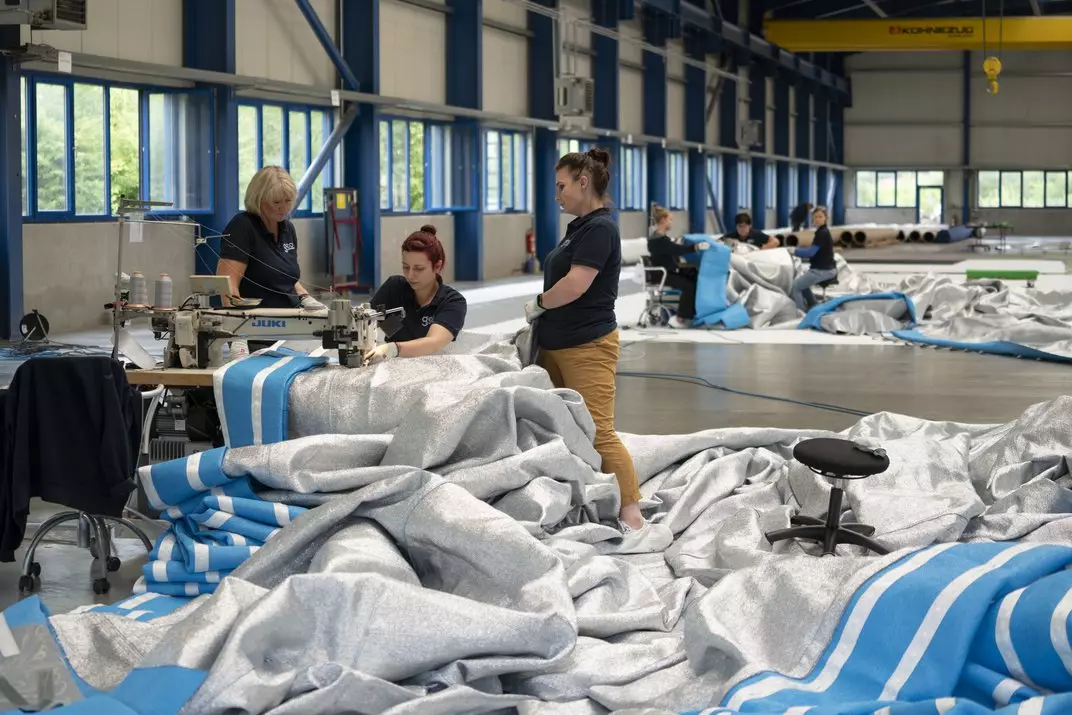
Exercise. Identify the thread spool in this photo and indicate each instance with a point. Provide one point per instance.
(139, 291)
(162, 292)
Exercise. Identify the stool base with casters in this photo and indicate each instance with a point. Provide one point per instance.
(827, 284)
(93, 535)
(837, 460)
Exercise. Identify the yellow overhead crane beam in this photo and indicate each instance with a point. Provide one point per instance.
(890, 35)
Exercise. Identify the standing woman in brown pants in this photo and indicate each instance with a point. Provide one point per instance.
(577, 332)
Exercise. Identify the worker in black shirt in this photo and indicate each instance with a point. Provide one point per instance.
(822, 268)
(435, 312)
(259, 250)
(577, 329)
(667, 253)
(746, 233)
(799, 216)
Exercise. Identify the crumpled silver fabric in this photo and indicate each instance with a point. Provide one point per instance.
(866, 317)
(461, 560)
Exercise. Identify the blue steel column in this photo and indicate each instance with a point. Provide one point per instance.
(655, 82)
(836, 152)
(208, 43)
(784, 193)
(727, 137)
(696, 131)
(803, 148)
(606, 77)
(757, 111)
(464, 89)
(360, 31)
(965, 211)
(819, 148)
(545, 149)
(10, 187)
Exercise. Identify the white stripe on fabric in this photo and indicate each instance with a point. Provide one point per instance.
(167, 546)
(216, 520)
(135, 615)
(944, 705)
(174, 513)
(226, 503)
(1031, 707)
(272, 533)
(1059, 631)
(854, 625)
(190, 588)
(201, 557)
(8, 647)
(937, 612)
(238, 540)
(137, 600)
(193, 472)
(160, 571)
(221, 406)
(1005, 690)
(145, 476)
(139, 585)
(257, 401)
(799, 710)
(282, 514)
(83, 609)
(1003, 636)
(884, 711)
(212, 577)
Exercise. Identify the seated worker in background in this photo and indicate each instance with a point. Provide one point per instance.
(435, 312)
(666, 253)
(821, 255)
(259, 250)
(799, 216)
(747, 234)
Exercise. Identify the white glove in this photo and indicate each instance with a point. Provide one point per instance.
(239, 349)
(702, 246)
(533, 309)
(311, 304)
(386, 351)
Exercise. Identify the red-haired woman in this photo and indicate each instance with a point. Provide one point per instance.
(435, 312)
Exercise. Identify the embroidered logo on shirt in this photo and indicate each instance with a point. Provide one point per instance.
(288, 247)
(426, 320)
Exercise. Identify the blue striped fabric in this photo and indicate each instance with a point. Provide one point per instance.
(251, 395)
(218, 521)
(139, 607)
(953, 628)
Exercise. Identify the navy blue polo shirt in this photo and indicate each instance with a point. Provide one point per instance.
(447, 308)
(592, 241)
(271, 264)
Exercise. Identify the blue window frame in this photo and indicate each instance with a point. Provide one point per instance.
(567, 145)
(1024, 189)
(427, 167)
(634, 179)
(677, 184)
(772, 185)
(86, 143)
(744, 184)
(506, 171)
(286, 135)
(713, 191)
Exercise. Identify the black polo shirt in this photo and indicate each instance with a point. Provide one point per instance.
(755, 237)
(823, 260)
(592, 241)
(271, 265)
(447, 308)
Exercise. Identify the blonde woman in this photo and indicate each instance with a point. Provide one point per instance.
(822, 265)
(666, 253)
(259, 249)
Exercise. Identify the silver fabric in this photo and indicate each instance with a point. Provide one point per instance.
(465, 559)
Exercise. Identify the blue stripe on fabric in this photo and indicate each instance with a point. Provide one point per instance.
(992, 347)
(712, 304)
(812, 319)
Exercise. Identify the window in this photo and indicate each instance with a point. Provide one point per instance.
(427, 167)
(813, 186)
(506, 159)
(744, 183)
(890, 189)
(677, 180)
(772, 185)
(287, 136)
(86, 144)
(713, 190)
(634, 179)
(568, 146)
(794, 188)
(1024, 189)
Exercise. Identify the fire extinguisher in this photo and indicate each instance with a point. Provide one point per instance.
(530, 252)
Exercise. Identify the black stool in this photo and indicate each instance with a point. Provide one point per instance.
(837, 460)
(826, 284)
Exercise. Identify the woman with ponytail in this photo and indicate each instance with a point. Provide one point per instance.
(577, 332)
(435, 312)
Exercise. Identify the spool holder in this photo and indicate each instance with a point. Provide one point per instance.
(127, 211)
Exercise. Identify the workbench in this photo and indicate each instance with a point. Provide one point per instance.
(172, 377)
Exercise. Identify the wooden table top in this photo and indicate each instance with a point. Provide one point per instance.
(172, 377)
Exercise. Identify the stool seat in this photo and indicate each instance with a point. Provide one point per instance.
(671, 291)
(828, 282)
(841, 458)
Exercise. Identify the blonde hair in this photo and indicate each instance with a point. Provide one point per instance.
(271, 183)
(658, 213)
(820, 209)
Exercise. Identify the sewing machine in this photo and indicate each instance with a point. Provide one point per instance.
(197, 332)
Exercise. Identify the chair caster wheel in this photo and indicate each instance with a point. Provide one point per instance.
(114, 563)
(101, 586)
(26, 584)
(35, 569)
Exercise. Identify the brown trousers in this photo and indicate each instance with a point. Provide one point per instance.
(589, 369)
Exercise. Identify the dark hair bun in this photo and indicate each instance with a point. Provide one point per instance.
(428, 228)
(599, 155)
